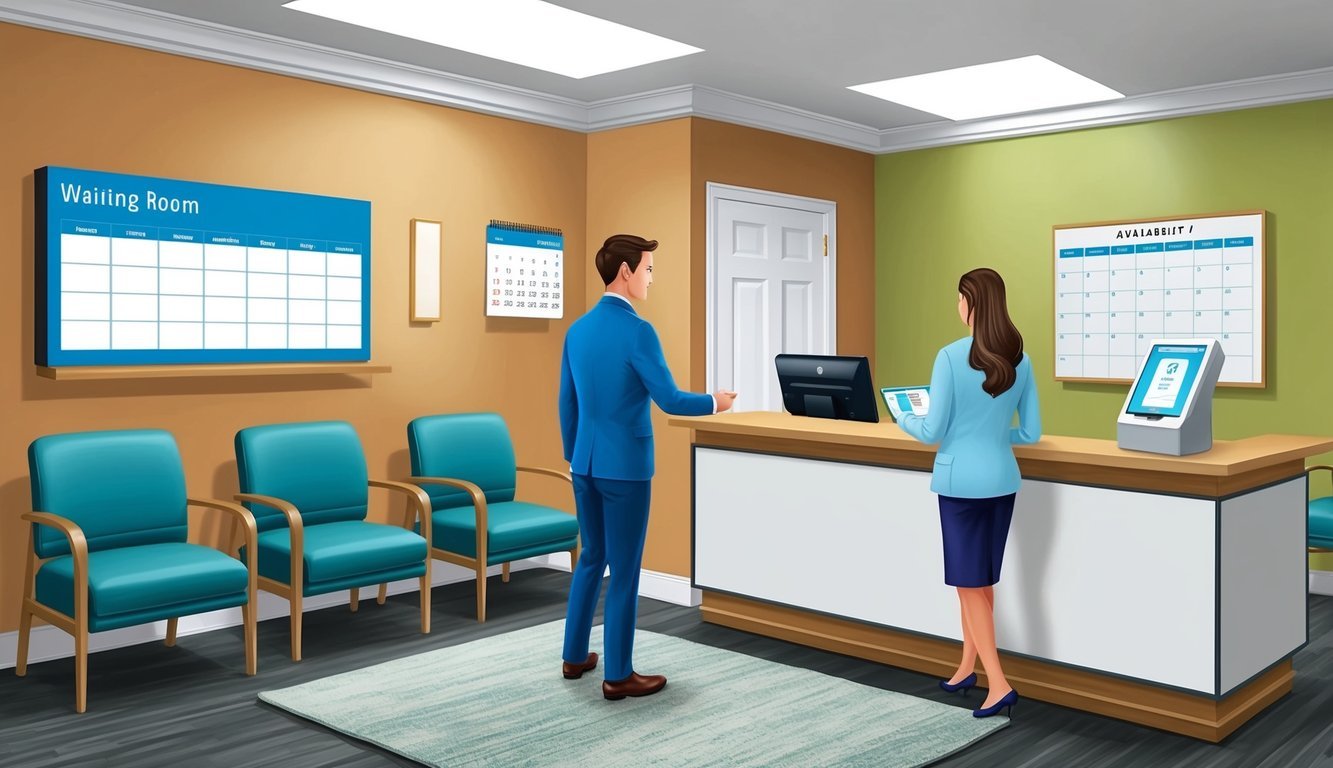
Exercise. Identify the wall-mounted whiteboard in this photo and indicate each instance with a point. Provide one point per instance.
(1119, 285)
(137, 270)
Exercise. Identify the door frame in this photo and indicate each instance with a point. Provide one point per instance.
(827, 208)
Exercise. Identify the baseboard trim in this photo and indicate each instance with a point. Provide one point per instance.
(48, 642)
(1321, 583)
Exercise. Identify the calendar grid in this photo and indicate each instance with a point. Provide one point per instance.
(1119, 286)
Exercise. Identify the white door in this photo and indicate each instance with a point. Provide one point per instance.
(771, 288)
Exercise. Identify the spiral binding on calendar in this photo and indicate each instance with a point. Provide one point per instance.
(514, 226)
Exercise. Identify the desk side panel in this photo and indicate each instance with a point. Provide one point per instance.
(1264, 579)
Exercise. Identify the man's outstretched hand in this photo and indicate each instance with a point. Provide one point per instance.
(724, 399)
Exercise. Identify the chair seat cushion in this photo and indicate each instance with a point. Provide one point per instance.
(1321, 522)
(141, 578)
(340, 550)
(510, 525)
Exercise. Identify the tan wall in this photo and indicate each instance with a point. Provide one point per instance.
(747, 157)
(233, 126)
(639, 183)
(75, 102)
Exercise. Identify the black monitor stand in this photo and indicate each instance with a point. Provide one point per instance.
(820, 406)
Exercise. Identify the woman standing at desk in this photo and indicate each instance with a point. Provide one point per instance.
(977, 384)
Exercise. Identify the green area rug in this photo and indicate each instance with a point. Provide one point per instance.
(501, 701)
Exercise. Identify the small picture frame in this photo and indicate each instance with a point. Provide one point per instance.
(424, 291)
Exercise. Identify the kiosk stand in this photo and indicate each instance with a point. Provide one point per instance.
(1170, 404)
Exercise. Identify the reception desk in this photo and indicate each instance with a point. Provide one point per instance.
(1167, 591)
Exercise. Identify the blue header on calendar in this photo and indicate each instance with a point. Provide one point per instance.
(1101, 251)
(1180, 245)
(525, 239)
(1148, 248)
(1207, 245)
(98, 204)
(1071, 253)
(1239, 242)
(1121, 250)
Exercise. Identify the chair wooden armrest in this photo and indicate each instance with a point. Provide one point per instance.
(551, 472)
(478, 503)
(78, 549)
(295, 528)
(418, 498)
(239, 515)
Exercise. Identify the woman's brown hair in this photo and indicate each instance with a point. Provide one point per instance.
(997, 346)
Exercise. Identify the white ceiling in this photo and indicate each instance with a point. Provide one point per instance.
(788, 63)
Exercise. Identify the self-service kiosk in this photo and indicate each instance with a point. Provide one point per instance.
(1170, 404)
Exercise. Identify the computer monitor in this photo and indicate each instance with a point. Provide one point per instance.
(827, 386)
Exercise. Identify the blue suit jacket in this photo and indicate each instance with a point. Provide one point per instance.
(975, 431)
(612, 363)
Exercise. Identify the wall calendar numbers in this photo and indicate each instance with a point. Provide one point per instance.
(524, 271)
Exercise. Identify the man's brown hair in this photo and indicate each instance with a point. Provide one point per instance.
(621, 249)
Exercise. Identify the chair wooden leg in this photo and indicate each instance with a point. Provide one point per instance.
(425, 602)
(384, 593)
(504, 573)
(356, 599)
(481, 592)
(25, 629)
(573, 558)
(80, 669)
(251, 638)
(296, 625)
(171, 632)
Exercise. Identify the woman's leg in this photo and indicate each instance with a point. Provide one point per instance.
(981, 622)
(969, 662)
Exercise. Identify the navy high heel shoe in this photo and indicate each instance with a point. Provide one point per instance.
(1007, 703)
(962, 685)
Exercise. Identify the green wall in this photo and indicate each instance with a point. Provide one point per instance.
(940, 212)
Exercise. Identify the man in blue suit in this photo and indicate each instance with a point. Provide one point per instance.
(612, 364)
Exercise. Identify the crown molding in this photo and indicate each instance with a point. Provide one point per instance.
(156, 30)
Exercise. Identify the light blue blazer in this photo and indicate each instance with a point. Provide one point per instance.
(611, 365)
(975, 431)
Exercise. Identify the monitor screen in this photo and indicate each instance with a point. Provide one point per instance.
(1166, 380)
(827, 386)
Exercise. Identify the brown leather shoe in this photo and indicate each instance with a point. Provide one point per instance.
(575, 671)
(634, 685)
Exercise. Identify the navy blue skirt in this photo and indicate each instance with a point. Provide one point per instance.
(975, 531)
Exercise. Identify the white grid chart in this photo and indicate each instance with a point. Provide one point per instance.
(136, 288)
(1118, 287)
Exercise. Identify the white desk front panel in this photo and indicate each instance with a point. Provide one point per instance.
(1116, 581)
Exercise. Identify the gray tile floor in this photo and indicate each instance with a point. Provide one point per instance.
(192, 705)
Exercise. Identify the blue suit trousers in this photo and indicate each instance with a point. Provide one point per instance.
(613, 522)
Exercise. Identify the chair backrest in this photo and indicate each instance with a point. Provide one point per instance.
(318, 466)
(122, 488)
(467, 446)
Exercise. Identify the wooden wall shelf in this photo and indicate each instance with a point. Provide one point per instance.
(99, 372)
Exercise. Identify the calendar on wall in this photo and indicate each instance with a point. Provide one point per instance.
(524, 271)
(1120, 285)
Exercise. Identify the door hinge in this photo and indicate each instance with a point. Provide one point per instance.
(825, 246)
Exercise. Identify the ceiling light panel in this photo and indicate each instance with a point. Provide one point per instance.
(985, 90)
(528, 32)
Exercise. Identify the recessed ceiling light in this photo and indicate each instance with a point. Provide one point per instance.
(985, 90)
(528, 32)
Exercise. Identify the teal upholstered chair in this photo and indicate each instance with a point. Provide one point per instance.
(107, 545)
(465, 462)
(308, 488)
(1319, 530)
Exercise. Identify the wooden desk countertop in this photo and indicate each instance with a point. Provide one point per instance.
(1227, 458)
